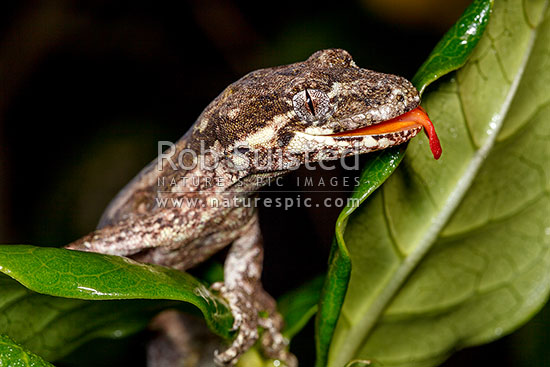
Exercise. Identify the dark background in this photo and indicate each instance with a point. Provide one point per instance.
(87, 88)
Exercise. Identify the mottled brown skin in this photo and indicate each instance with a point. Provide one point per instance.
(292, 109)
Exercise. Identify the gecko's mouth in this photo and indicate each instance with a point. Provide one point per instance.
(411, 121)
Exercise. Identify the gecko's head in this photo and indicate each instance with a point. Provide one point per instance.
(323, 108)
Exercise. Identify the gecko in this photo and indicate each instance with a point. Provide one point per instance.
(262, 126)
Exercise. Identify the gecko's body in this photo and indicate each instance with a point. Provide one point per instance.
(301, 112)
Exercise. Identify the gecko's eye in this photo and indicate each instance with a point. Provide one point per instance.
(311, 105)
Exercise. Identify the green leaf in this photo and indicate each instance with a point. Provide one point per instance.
(379, 167)
(363, 363)
(449, 54)
(453, 50)
(455, 253)
(298, 306)
(14, 355)
(253, 358)
(61, 314)
(54, 326)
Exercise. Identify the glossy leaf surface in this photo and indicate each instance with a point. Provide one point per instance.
(455, 253)
(55, 312)
(457, 45)
(453, 50)
(14, 355)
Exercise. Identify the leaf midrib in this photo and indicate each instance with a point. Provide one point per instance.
(360, 333)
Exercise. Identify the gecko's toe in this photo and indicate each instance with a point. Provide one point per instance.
(238, 304)
(246, 314)
(274, 344)
(245, 317)
(244, 341)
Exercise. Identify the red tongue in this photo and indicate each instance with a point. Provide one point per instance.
(405, 121)
(420, 116)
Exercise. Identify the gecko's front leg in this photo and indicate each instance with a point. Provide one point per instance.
(243, 291)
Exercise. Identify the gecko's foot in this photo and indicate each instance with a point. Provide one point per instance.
(274, 344)
(247, 319)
